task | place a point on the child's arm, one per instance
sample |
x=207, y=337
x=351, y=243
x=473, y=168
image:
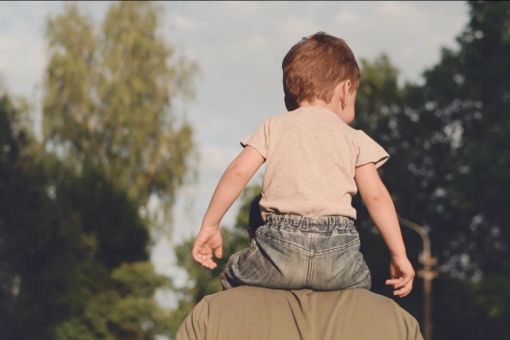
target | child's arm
x=380, y=207
x=230, y=186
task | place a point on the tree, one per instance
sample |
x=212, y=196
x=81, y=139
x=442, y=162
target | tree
x=73, y=247
x=73, y=260
x=109, y=100
x=73, y=243
x=124, y=310
x=470, y=89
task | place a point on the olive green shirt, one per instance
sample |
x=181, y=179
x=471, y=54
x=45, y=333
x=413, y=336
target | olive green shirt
x=253, y=313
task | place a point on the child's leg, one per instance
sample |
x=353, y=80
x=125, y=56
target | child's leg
x=229, y=277
x=271, y=261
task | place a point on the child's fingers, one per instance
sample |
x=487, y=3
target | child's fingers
x=402, y=283
x=204, y=257
x=218, y=252
x=402, y=293
x=207, y=263
x=201, y=255
x=200, y=258
x=406, y=280
x=392, y=282
x=404, y=290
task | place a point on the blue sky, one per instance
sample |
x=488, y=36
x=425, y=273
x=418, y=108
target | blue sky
x=239, y=47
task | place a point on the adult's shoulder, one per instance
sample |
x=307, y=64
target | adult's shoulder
x=261, y=313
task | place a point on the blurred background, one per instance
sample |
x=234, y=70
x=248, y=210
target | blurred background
x=117, y=119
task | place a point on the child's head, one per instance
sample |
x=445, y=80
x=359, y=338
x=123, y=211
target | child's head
x=316, y=67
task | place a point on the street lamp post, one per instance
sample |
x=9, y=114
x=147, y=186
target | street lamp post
x=427, y=274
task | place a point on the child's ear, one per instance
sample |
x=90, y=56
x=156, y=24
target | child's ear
x=342, y=90
x=347, y=90
x=347, y=87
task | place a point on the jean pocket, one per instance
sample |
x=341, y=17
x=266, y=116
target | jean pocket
x=291, y=238
x=336, y=244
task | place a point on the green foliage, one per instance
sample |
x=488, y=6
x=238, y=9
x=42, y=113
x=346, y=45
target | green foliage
x=477, y=76
x=379, y=93
x=70, y=246
x=109, y=98
x=127, y=310
x=86, y=199
x=73, y=241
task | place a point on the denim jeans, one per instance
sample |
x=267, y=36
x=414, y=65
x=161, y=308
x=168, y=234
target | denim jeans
x=294, y=252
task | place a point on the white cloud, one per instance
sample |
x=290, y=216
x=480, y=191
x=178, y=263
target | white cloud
x=347, y=17
x=184, y=23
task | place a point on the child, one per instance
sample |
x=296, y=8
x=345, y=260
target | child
x=315, y=163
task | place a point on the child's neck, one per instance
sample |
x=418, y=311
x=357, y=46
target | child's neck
x=331, y=106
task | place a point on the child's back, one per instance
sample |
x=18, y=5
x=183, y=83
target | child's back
x=311, y=156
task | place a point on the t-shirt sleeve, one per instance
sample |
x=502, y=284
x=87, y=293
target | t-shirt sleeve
x=259, y=139
x=369, y=151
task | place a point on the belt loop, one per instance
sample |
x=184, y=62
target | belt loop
x=332, y=221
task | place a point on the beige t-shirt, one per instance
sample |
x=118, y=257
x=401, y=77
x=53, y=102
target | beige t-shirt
x=311, y=155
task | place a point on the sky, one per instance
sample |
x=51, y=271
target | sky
x=239, y=47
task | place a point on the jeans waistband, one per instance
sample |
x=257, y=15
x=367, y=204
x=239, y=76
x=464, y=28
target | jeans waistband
x=320, y=223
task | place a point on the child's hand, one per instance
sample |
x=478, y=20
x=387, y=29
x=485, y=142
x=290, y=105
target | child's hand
x=402, y=275
x=208, y=241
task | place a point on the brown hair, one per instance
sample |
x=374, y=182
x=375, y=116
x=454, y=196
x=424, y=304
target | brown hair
x=314, y=66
